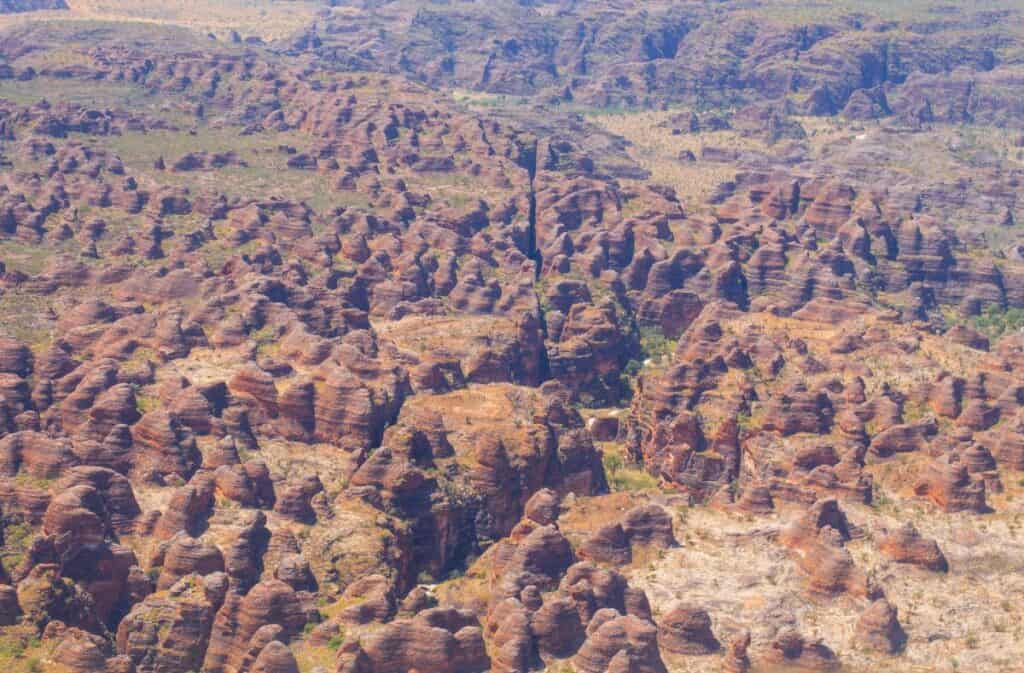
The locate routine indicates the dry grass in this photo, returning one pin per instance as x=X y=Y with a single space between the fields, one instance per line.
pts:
x=22 y=652
x=624 y=474
x=266 y=19
x=500 y=410
x=458 y=333
x=657 y=150
x=754 y=583
x=355 y=542
x=313 y=658
x=205 y=366
x=266 y=172
x=294 y=460
x=803 y=11
x=32 y=318
x=586 y=515
x=471 y=591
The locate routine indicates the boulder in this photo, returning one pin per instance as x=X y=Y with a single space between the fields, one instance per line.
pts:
x=906 y=545
x=686 y=629
x=879 y=630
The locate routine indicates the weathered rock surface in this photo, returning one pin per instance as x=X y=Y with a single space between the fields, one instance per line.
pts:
x=446 y=393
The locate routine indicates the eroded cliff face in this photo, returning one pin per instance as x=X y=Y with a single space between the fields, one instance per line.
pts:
x=309 y=367
x=930 y=62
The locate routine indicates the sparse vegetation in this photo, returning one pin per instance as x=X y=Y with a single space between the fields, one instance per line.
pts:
x=625 y=475
x=995 y=321
x=422 y=196
x=655 y=345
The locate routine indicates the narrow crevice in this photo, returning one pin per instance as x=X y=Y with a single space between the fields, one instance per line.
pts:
x=529 y=161
x=544 y=365
x=531 y=238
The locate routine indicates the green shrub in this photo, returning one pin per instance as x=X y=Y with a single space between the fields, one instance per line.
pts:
x=612 y=462
x=996 y=321
x=624 y=475
x=654 y=344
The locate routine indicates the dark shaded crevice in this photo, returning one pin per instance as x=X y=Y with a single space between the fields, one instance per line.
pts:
x=485 y=78
x=389 y=416
x=533 y=252
x=529 y=160
x=543 y=364
x=531 y=241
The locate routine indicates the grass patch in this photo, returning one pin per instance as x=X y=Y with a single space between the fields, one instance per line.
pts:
x=17 y=537
x=655 y=148
x=626 y=475
x=996 y=321
x=266 y=19
x=804 y=11
x=655 y=345
x=266 y=339
x=146 y=403
x=22 y=652
x=91 y=94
